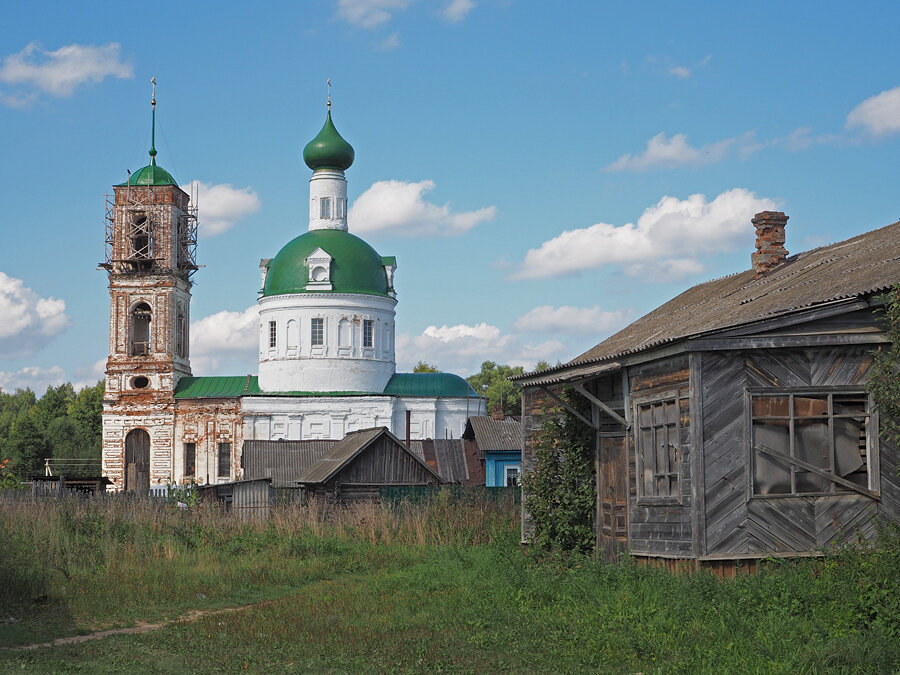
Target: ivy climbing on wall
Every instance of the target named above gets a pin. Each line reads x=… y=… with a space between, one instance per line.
x=560 y=490
x=884 y=376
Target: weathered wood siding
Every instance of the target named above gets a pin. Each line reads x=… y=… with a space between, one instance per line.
x=662 y=527
x=735 y=523
x=384 y=463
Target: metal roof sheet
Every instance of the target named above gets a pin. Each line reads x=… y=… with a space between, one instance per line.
x=212 y=387
x=866 y=264
x=282 y=461
x=494 y=435
x=429 y=385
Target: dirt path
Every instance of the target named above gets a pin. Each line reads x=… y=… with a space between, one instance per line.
x=193 y=615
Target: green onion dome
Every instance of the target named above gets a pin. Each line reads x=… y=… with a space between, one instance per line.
x=328 y=150
x=355 y=266
x=150 y=175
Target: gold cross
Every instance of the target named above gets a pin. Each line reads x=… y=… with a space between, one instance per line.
x=329 y=93
x=153 y=100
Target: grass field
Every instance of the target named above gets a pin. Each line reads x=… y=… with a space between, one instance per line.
x=437 y=586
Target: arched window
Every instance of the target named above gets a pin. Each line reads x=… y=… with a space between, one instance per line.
x=140 y=329
x=293 y=334
x=344 y=333
x=141 y=240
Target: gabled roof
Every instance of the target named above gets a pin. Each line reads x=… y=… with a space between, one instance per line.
x=348 y=449
x=495 y=435
x=863 y=265
x=282 y=461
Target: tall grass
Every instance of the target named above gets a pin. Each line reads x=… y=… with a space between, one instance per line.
x=438 y=585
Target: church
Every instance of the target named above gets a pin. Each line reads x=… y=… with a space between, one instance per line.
x=327 y=365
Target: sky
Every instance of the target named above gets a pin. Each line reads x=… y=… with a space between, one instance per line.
x=544 y=173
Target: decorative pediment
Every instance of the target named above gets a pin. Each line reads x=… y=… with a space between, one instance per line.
x=319 y=265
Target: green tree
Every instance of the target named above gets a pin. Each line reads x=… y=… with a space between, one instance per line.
x=85 y=411
x=560 y=490
x=423 y=367
x=27 y=446
x=884 y=376
x=492 y=382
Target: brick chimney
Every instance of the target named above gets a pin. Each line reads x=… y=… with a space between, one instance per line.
x=770 y=251
x=497 y=414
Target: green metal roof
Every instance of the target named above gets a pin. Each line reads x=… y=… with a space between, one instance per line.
x=429 y=385
x=355 y=266
x=212 y=387
x=150 y=175
x=424 y=385
x=328 y=150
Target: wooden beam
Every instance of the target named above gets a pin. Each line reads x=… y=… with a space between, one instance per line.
x=812 y=468
x=568 y=407
x=600 y=404
x=785 y=341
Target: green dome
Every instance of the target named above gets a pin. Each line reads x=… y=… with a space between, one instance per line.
x=355 y=266
x=328 y=150
x=150 y=175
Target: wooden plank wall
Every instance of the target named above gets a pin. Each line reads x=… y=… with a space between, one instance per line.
x=662 y=529
x=385 y=463
x=739 y=525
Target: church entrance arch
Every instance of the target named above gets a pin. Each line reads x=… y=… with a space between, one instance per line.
x=137 y=462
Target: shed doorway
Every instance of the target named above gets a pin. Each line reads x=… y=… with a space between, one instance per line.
x=137 y=462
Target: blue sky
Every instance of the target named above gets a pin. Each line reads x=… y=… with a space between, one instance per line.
x=544 y=172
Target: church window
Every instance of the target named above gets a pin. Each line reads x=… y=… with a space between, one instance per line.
x=368 y=333
x=190 y=458
x=317 y=338
x=293 y=334
x=224 y=460
x=140 y=330
x=180 y=332
x=325 y=208
x=340 y=207
x=273 y=334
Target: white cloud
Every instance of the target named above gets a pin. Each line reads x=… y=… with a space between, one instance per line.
x=671 y=237
x=392 y=41
x=456 y=10
x=221 y=206
x=567 y=319
x=224 y=335
x=60 y=72
x=681 y=72
x=369 y=13
x=663 y=152
x=32 y=377
x=27 y=321
x=398 y=206
x=879 y=115
x=461 y=349
x=87 y=376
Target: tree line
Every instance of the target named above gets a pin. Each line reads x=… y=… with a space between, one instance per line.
x=61 y=424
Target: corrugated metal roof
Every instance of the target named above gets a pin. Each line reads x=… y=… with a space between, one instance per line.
x=494 y=435
x=429 y=385
x=282 y=461
x=866 y=264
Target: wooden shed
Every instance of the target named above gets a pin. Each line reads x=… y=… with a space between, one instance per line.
x=733 y=422
x=364 y=461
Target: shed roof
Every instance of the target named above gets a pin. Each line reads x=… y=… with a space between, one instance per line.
x=282 y=461
x=866 y=264
x=346 y=450
x=495 y=435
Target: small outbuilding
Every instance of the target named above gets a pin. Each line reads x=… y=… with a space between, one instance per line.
x=733 y=422
x=364 y=461
x=497 y=442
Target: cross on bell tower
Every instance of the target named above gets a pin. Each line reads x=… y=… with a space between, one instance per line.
x=151 y=240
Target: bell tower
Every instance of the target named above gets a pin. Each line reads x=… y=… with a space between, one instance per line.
x=151 y=241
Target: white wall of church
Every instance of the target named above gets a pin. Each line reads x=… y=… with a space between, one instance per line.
x=326 y=417
x=289 y=361
x=330 y=185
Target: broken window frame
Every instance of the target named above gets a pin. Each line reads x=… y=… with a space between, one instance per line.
x=141 y=312
x=190 y=459
x=646 y=456
x=795 y=459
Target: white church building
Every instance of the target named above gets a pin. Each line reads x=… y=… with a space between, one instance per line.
x=327 y=364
